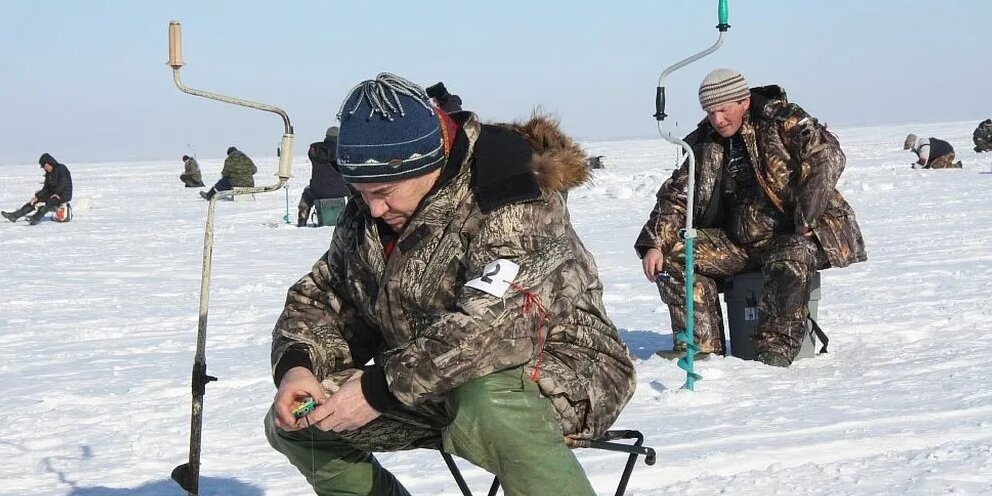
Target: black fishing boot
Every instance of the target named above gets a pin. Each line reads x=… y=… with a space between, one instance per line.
x=17 y=214
x=40 y=213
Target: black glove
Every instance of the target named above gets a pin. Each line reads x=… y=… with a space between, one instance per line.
x=978 y=150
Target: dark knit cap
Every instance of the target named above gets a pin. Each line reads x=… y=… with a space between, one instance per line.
x=231 y=150
x=47 y=159
x=389 y=131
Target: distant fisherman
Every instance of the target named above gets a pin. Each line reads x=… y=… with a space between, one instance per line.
x=326 y=182
x=983 y=136
x=238 y=172
x=931 y=153
x=191 y=173
x=53 y=196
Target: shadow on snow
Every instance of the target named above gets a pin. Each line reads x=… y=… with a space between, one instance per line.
x=208 y=486
x=643 y=344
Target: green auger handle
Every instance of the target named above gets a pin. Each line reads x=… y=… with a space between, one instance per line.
x=722 y=14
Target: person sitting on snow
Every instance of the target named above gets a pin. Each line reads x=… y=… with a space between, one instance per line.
x=238 y=172
x=931 y=153
x=983 y=136
x=457 y=271
x=325 y=180
x=765 y=199
x=191 y=173
x=56 y=191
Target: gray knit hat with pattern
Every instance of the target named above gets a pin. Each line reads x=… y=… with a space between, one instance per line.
x=722 y=86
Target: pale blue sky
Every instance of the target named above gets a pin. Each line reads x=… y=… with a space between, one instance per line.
x=87 y=81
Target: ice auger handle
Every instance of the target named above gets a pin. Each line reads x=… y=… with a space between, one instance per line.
x=659 y=104
x=175 y=44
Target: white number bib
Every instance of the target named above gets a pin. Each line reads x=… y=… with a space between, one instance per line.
x=496 y=277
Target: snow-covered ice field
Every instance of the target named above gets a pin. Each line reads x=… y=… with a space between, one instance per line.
x=98 y=325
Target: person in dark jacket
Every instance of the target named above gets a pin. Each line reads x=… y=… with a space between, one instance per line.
x=191 y=173
x=56 y=191
x=238 y=172
x=325 y=180
x=931 y=153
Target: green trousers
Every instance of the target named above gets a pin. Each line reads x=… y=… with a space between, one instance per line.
x=501 y=423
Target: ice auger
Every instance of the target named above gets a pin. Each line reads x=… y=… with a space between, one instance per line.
x=188 y=474
x=688 y=234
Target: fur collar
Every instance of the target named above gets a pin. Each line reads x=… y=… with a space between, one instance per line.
x=518 y=162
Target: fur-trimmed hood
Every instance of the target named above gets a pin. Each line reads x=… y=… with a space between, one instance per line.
x=558 y=162
x=519 y=162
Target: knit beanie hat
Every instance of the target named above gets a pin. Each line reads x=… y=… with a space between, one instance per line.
x=231 y=150
x=722 y=86
x=910 y=142
x=332 y=132
x=389 y=131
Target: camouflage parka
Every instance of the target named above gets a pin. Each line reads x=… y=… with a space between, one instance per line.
x=983 y=136
x=797 y=163
x=239 y=169
x=499 y=197
x=191 y=169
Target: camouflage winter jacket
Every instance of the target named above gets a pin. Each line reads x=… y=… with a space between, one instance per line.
x=797 y=163
x=239 y=169
x=983 y=136
x=191 y=169
x=499 y=197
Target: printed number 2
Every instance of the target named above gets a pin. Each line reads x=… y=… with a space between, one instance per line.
x=496 y=277
x=487 y=277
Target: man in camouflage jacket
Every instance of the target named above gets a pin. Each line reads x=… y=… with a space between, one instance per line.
x=238 y=172
x=765 y=199
x=458 y=273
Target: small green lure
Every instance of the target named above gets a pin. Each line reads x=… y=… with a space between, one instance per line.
x=304 y=408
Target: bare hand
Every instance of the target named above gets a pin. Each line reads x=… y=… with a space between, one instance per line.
x=298 y=383
x=345 y=410
x=652 y=263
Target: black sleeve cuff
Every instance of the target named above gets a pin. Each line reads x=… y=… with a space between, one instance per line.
x=376 y=390
x=296 y=356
